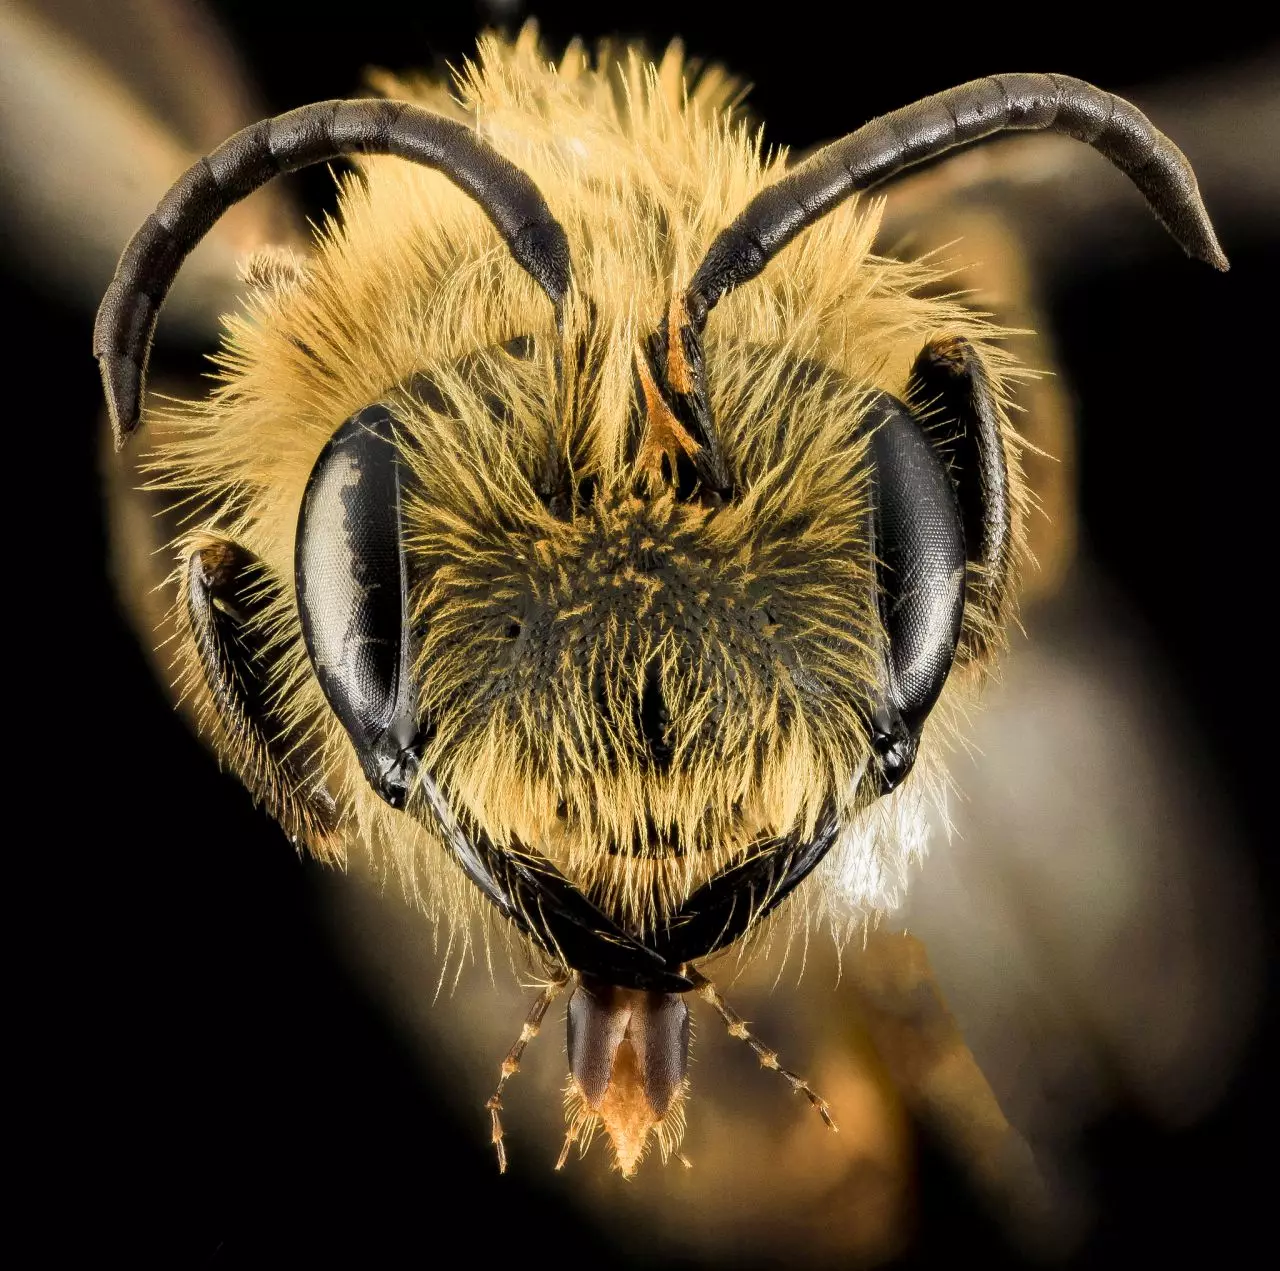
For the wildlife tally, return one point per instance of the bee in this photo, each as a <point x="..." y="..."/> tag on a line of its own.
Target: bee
<point x="592" y="527"/>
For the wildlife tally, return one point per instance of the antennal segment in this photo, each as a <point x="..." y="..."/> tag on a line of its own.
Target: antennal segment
<point x="879" y="150"/>
<point x="327" y="130"/>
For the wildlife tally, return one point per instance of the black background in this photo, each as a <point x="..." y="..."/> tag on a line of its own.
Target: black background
<point x="209" y="1087"/>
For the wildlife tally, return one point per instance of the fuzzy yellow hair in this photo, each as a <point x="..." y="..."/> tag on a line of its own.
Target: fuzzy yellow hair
<point x="759" y="620"/>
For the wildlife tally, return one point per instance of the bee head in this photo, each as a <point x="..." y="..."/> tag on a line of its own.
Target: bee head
<point x="602" y="568"/>
<point x="631" y="612"/>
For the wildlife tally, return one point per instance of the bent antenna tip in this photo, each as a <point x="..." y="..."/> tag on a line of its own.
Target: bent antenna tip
<point x="122" y="384"/>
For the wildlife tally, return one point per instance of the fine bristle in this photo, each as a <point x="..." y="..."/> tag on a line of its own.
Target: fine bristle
<point x="630" y="1136"/>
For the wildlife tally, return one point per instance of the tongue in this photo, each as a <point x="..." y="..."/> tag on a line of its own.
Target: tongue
<point x="628" y="1052"/>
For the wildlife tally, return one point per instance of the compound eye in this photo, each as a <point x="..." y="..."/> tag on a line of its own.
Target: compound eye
<point x="353" y="595"/>
<point x="920" y="562"/>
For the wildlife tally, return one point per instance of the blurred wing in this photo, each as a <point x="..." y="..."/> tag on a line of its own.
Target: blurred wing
<point x="101" y="108"/>
<point x="1091" y="919"/>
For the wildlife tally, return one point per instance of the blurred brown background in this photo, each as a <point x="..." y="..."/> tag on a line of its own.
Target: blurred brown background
<point x="213" y="1079"/>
